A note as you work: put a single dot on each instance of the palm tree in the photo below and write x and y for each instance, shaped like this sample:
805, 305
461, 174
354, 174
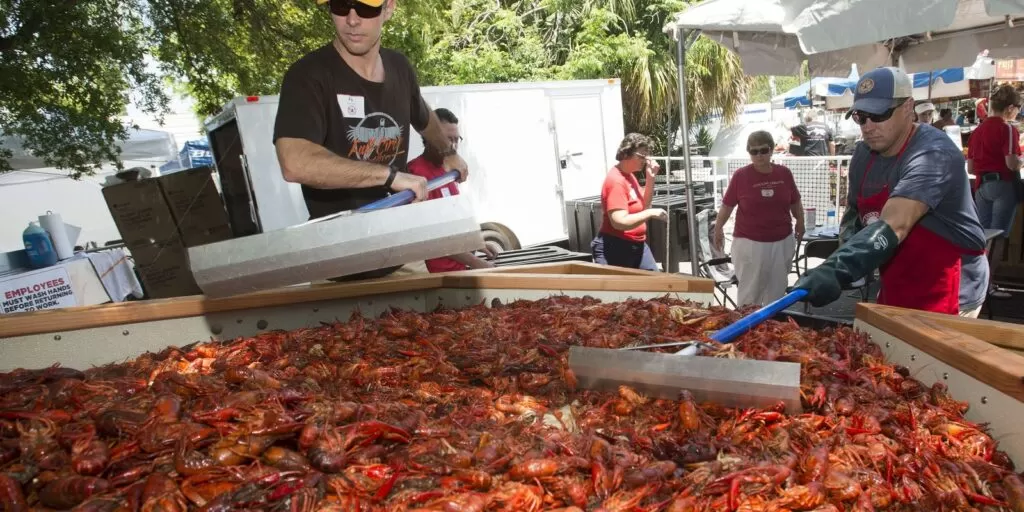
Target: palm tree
644, 58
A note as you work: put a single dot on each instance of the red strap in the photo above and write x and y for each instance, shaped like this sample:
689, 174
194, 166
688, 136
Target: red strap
871, 161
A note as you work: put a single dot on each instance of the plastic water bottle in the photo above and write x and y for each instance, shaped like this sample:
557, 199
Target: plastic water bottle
39, 246
830, 222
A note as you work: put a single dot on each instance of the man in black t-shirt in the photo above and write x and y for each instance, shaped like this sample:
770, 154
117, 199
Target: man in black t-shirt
815, 138
346, 112
345, 115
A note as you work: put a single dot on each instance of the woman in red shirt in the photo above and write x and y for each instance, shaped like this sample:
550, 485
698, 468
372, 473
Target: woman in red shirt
763, 245
993, 157
622, 239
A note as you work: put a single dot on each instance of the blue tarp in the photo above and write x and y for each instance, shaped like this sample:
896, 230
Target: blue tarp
798, 95
196, 153
948, 75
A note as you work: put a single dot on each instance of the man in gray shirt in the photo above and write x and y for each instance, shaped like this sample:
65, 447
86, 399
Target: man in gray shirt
910, 216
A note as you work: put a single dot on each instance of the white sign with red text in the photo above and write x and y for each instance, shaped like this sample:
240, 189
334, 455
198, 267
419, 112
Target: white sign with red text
43, 289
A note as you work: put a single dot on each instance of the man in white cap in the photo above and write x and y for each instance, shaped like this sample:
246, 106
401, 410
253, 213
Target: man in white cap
910, 211
345, 114
925, 112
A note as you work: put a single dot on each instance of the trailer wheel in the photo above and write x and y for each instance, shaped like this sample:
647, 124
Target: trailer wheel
497, 241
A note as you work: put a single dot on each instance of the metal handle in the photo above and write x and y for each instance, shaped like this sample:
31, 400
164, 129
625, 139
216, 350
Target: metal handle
756, 318
406, 196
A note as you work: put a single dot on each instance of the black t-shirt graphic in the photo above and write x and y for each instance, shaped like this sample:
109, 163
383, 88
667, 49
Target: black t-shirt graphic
814, 139
325, 101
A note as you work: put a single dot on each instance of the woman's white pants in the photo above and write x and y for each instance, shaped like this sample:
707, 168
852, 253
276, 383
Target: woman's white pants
762, 269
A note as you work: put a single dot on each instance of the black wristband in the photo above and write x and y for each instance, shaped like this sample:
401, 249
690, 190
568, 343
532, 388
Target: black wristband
393, 172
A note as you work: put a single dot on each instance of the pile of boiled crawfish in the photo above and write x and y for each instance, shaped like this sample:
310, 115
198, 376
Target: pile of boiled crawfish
476, 409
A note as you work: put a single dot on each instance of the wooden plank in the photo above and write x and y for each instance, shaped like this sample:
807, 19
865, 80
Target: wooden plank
652, 282
541, 268
570, 268
598, 269
130, 312
999, 368
578, 276
1000, 334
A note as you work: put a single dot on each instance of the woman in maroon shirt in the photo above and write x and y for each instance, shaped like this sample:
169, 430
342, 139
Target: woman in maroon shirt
763, 245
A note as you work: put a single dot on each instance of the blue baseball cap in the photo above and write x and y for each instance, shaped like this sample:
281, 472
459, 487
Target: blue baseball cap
880, 89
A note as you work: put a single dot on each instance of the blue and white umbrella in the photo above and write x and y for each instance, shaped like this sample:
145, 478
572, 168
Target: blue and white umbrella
952, 82
823, 87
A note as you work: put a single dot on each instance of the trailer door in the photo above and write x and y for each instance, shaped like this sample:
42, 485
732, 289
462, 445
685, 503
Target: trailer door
580, 133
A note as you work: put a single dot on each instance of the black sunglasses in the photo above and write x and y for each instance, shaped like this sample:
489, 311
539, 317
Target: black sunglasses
860, 117
762, 151
343, 7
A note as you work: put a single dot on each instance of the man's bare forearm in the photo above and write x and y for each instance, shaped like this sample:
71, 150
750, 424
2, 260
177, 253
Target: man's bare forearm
902, 214
315, 166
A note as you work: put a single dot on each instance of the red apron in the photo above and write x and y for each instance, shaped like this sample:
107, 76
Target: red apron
924, 274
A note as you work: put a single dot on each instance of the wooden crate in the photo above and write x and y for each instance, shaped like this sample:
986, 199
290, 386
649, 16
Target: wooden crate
967, 355
82, 337
960, 352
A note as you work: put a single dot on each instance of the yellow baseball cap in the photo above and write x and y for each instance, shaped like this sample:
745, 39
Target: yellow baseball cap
371, 3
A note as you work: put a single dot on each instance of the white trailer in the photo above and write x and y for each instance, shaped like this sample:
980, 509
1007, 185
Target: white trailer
530, 147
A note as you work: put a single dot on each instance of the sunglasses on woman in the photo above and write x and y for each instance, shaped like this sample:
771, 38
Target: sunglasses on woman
343, 7
759, 151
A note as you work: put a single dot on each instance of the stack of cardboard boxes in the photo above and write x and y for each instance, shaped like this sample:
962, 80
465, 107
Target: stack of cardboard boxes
160, 218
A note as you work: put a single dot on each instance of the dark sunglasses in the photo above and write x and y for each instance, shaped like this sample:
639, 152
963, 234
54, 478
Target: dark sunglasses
343, 7
860, 117
762, 151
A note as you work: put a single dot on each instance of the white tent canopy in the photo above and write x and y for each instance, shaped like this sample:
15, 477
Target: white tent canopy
142, 145
773, 37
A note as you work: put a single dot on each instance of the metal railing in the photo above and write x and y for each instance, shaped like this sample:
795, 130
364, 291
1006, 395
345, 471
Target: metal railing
822, 181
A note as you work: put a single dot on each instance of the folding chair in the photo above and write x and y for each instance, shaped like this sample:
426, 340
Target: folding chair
712, 263
990, 238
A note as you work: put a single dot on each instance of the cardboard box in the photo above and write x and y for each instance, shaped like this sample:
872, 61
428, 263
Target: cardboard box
141, 213
164, 270
184, 206
196, 206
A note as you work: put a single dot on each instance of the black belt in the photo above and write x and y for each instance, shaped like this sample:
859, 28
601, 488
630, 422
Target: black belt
991, 176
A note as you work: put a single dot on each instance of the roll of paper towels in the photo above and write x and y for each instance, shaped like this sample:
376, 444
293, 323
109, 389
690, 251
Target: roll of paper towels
54, 225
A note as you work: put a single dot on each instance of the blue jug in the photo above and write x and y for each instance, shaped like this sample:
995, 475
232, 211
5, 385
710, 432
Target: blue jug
39, 246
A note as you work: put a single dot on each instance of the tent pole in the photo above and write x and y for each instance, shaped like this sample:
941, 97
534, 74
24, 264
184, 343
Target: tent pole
691, 209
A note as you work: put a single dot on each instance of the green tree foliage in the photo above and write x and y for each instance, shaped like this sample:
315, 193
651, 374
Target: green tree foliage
68, 65
66, 70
